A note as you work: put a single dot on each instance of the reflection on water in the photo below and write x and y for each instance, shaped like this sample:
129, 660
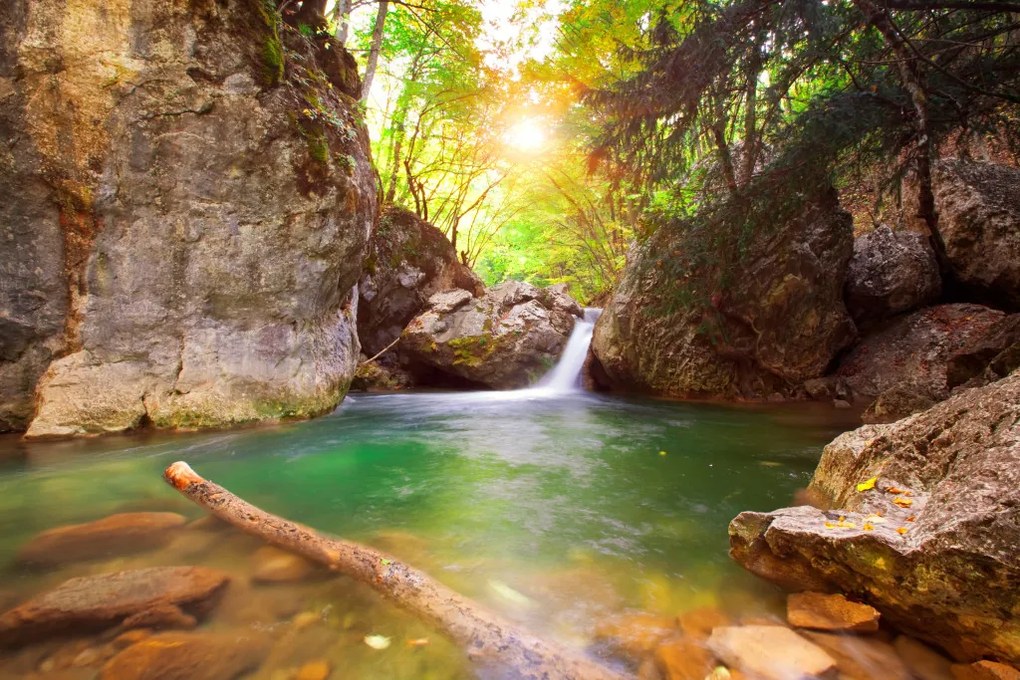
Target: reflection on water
556, 510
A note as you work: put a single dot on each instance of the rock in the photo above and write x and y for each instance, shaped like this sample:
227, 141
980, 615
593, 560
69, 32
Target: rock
273, 565
698, 624
904, 365
384, 374
979, 217
314, 670
861, 658
182, 243
635, 635
91, 603
943, 568
890, 273
409, 261
770, 652
188, 656
764, 322
819, 611
984, 670
923, 661
506, 339
683, 659
113, 535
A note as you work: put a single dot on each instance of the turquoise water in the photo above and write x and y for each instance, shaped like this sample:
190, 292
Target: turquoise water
556, 511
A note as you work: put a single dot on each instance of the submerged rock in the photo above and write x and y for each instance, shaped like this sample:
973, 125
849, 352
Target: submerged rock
770, 653
505, 339
890, 273
755, 316
114, 535
188, 656
184, 219
92, 603
905, 365
932, 543
409, 261
861, 657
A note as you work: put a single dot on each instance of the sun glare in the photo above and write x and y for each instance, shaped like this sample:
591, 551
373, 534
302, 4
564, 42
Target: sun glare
526, 136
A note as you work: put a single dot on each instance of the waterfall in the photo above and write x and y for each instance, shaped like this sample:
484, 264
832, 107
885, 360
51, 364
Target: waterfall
565, 376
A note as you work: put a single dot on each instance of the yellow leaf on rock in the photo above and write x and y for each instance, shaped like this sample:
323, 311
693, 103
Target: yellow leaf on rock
902, 502
867, 484
901, 531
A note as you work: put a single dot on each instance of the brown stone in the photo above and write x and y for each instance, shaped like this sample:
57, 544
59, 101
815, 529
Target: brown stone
698, 624
273, 565
861, 658
820, 611
188, 656
984, 670
923, 661
97, 602
770, 652
110, 536
314, 670
635, 635
683, 659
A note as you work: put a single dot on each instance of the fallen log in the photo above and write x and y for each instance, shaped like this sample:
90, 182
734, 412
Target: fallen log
486, 637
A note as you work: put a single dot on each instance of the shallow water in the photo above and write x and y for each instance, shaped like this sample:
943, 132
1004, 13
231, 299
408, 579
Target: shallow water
556, 510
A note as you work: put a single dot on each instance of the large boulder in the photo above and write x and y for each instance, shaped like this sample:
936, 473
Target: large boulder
409, 261
915, 360
979, 217
890, 273
119, 534
924, 524
505, 339
184, 210
747, 315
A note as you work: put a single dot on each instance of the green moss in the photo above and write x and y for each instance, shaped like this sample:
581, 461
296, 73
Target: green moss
318, 147
472, 350
272, 48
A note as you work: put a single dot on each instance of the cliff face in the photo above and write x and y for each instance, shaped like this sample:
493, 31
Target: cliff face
185, 199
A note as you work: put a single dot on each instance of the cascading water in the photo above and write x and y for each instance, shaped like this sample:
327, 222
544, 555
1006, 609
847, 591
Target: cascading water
565, 376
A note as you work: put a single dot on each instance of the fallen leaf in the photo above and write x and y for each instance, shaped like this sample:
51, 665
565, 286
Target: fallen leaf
912, 518
902, 502
385, 561
901, 530
377, 641
894, 489
418, 642
662, 453
867, 484
868, 526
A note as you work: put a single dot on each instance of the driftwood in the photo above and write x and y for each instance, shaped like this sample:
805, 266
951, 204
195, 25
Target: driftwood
486, 637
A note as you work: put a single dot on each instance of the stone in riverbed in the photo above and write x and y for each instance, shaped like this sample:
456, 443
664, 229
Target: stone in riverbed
97, 602
114, 535
861, 658
635, 635
188, 656
923, 661
273, 565
770, 652
683, 659
984, 670
820, 611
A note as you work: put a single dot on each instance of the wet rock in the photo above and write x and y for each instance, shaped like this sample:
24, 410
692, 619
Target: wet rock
770, 652
96, 602
684, 659
861, 658
408, 262
677, 326
904, 365
382, 375
181, 243
273, 565
819, 611
188, 656
109, 536
933, 546
508, 338
698, 624
923, 661
635, 635
890, 273
984, 670
979, 217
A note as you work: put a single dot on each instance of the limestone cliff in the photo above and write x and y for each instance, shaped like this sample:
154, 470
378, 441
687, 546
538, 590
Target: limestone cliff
185, 199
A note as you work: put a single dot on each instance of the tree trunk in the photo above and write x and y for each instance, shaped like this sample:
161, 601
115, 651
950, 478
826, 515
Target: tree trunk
486, 637
342, 17
373, 52
312, 13
913, 82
